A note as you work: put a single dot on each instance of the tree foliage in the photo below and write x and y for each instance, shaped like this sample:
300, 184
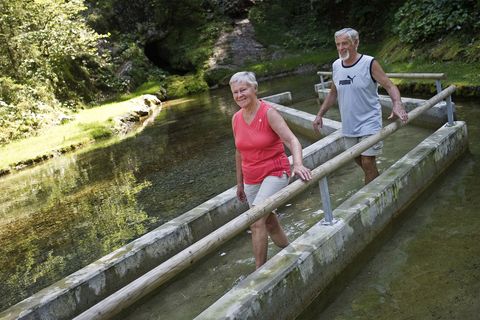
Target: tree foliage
426, 20
310, 24
41, 37
48, 55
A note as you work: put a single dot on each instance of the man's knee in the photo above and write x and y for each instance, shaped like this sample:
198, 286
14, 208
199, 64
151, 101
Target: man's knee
369, 162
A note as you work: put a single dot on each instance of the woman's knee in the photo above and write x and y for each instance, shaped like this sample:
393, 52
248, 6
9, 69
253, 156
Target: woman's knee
259, 225
272, 222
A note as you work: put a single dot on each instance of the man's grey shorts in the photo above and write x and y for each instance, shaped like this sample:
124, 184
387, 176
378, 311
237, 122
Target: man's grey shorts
257, 193
373, 151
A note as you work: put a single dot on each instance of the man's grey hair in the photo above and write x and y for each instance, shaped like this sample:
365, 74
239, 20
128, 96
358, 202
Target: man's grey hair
352, 34
244, 77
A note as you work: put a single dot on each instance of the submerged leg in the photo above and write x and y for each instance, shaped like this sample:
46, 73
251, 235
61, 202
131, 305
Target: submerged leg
369, 166
276, 231
259, 241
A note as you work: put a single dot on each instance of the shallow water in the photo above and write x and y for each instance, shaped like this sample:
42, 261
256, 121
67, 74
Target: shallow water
60, 216
427, 266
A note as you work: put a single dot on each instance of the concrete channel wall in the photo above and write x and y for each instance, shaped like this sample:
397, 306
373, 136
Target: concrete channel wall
86, 287
432, 118
290, 280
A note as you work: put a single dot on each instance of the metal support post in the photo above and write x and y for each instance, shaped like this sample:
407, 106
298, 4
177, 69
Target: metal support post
322, 83
438, 85
328, 220
450, 111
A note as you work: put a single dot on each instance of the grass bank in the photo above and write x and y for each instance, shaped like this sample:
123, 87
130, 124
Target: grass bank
88, 126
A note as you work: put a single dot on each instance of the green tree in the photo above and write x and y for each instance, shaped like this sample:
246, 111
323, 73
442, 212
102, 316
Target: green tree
428, 20
43, 39
49, 58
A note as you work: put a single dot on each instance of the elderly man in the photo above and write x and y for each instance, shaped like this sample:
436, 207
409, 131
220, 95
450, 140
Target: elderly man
355, 78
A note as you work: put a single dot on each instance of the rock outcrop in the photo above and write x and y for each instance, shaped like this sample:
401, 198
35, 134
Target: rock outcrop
144, 109
232, 50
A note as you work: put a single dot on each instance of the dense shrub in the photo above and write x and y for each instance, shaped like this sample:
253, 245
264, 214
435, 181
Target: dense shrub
178, 86
25, 108
426, 20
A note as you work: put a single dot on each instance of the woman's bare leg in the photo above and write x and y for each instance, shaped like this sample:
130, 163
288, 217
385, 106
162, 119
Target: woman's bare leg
259, 241
275, 231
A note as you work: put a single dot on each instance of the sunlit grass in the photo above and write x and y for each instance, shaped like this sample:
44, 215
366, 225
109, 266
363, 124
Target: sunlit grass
292, 62
457, 72
149, 87
88, 125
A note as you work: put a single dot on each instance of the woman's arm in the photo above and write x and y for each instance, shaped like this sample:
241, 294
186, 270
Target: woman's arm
238, 169
278, 124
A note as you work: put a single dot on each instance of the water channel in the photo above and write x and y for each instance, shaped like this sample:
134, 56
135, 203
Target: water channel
58, 217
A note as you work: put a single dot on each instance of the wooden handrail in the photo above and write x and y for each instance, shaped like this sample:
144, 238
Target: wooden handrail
433, 76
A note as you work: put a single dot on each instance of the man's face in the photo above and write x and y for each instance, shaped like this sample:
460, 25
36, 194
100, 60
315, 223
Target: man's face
345, 47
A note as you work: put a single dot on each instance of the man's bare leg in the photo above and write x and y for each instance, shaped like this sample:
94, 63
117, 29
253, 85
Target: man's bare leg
369, 166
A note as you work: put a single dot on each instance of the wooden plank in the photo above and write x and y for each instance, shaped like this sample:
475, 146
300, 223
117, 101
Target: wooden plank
432, 76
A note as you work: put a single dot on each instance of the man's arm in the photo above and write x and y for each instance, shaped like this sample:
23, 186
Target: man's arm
327, 103
380, 76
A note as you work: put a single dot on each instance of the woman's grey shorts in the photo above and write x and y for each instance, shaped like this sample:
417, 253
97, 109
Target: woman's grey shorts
257, 193
373, 151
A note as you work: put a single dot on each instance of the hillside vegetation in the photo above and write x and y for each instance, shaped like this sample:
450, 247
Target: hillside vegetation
59, 56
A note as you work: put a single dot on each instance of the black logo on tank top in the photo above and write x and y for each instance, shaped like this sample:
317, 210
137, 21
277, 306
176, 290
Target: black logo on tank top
348, 81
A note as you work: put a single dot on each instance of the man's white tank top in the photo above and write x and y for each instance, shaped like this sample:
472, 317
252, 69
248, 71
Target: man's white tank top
357, 97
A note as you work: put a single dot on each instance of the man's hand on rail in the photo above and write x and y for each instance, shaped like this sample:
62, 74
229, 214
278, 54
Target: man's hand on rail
398, 111
317, 123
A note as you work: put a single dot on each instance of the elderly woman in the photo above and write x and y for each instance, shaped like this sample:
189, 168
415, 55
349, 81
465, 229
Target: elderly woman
261, 163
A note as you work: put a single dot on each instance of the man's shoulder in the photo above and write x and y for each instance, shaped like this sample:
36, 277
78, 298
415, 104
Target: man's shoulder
336, 64
368, 57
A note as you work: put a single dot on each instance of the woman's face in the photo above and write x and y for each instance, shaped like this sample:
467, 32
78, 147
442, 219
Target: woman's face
244, 94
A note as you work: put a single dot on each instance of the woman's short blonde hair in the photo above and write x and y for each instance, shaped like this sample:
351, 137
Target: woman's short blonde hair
244, 77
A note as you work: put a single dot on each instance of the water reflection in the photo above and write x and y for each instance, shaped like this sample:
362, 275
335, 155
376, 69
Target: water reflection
60, 216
